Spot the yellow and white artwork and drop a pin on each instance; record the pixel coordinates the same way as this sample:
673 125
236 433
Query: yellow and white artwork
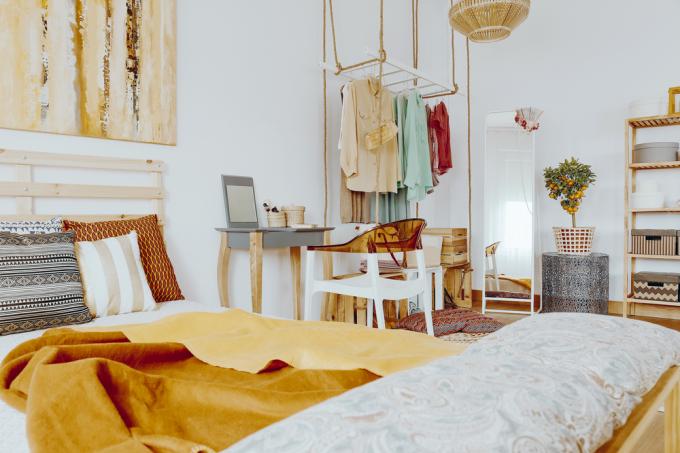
99 68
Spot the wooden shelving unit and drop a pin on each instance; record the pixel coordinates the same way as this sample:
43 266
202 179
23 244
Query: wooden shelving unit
654 121
652 302
653 257
655 211
655 166
630 217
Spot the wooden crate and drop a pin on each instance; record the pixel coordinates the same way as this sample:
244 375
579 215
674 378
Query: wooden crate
352 310
458 282
454 244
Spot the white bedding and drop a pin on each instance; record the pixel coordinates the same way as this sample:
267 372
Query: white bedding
12 427
557 382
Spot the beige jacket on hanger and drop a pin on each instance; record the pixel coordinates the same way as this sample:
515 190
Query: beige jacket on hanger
361 115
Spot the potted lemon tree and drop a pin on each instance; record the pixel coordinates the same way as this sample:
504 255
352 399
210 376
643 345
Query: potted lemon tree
568 183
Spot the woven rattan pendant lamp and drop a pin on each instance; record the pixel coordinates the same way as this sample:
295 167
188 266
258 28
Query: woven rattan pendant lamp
488 20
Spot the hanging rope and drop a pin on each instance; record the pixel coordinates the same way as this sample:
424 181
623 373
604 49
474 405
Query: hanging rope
381 61
325 119
339 68
335 43
415 32
453 57
469 142
415 46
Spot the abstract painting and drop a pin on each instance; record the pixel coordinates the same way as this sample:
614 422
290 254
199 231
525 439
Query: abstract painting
98 68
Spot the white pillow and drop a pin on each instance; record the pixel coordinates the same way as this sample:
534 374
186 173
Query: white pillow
32 227
113 277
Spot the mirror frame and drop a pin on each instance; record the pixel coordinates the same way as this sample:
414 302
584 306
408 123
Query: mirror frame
534 233
244 181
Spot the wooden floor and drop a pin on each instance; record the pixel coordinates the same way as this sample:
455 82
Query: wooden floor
653 440
507 319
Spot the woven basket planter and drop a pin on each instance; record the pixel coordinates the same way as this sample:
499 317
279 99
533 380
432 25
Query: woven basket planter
295 215
276 219
488 20
574 241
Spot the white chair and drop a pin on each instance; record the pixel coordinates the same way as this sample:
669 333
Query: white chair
438 273
491 267
392 238
432 246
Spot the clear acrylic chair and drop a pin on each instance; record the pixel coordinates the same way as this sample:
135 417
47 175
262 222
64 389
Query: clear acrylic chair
390 238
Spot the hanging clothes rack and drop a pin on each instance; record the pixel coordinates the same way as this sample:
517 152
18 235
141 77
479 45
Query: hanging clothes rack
397 76
393 76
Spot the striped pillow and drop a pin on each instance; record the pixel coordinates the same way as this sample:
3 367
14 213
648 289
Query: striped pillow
157 265
113 277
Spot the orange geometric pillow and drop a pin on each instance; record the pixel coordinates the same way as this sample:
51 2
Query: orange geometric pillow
157 266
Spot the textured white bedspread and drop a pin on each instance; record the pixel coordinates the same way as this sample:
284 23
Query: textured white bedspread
551 383
12 427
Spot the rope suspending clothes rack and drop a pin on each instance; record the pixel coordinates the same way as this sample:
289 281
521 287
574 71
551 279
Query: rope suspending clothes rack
396 76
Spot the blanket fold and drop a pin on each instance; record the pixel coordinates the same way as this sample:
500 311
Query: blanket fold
249 342
153 388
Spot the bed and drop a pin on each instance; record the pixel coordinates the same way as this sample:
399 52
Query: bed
338 415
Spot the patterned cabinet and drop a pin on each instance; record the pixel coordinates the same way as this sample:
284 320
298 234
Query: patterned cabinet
576 283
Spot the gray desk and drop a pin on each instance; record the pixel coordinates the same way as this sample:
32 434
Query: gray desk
255 240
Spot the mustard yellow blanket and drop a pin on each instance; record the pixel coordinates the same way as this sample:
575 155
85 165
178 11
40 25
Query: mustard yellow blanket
143 388
249 342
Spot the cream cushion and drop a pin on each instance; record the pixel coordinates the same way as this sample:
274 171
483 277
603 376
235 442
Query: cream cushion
113 277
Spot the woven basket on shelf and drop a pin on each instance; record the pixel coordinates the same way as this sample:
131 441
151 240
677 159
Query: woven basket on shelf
488 20
295 215
574 241
276 219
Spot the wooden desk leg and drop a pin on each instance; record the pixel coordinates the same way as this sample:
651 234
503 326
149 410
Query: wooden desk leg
256 271
223 269
329 304
295 271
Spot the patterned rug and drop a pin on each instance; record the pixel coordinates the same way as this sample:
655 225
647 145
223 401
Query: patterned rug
458 325
465 338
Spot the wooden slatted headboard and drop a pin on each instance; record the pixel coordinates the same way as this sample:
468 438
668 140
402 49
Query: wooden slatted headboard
24 190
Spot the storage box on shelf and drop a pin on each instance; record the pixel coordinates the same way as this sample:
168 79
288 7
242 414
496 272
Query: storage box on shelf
647 244
655 152
656 286
654 242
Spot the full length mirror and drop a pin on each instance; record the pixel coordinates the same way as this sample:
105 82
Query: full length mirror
509 212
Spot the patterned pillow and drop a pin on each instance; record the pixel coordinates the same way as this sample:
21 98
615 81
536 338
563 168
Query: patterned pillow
449 321
39 283
113 277
33 227
157 265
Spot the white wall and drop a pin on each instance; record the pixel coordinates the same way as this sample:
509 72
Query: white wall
250 103
583 62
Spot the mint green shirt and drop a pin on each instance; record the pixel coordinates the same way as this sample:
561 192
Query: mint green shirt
400 119
418 170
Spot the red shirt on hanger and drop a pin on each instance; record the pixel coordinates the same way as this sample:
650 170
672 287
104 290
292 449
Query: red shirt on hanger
441 125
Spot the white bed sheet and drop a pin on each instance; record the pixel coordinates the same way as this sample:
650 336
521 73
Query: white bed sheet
12 426
556 382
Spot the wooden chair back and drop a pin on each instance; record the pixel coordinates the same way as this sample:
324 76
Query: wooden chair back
491 249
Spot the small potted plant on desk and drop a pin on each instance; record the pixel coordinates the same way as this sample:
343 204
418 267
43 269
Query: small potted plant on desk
568 184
